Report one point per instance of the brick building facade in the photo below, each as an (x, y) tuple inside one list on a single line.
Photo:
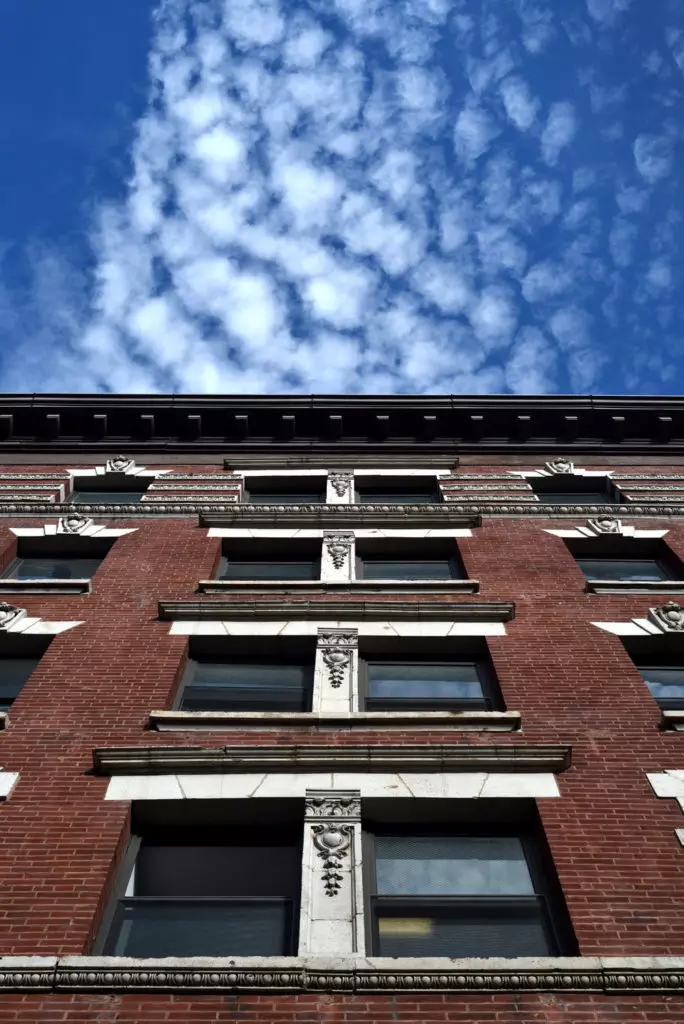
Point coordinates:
[(341, 710)]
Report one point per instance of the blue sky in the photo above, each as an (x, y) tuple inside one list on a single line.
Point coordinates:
[(360, 196)]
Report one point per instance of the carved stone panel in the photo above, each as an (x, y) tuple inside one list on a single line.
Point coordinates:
[(74, 524), (669, 617), (605, 524), (337, 647), (119, 464), (339, 547), (9, 614), (341, 483), (560, 465)]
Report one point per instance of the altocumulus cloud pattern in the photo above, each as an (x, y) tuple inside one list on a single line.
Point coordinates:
[(405, 196)]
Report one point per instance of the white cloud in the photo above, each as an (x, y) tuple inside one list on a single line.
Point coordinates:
[(531, 365), (521, 107), (653, 157), (559, 131), (474, 131)]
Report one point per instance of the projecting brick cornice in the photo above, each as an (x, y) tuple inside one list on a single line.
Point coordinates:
[(451, 757), (356, 607), (340, 430), (603, 975)]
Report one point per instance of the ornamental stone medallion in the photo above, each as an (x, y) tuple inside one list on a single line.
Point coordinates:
[(119, 464), (669, 617), (74, 524), (605, 524), (9, 614), (560, 465)]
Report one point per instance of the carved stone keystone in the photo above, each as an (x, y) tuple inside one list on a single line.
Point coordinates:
[(119, 464), (340, 483), (605, 524), (74, 524), (337, 647), (669, 617), (560, 465), (9, 614), (338, 546)]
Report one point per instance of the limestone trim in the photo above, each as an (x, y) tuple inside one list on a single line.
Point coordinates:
[(372, 587), (603, 526), (403, 757), (361, 608), (669, 785), (375, 784), (672, 720), (339, 516), (8, 781), (460, 721), (16, 620), (44, 586), (118, 465), (348, 974), (71, 526), (408, 532), (306, 625), (559, 467), (666, 618), (634, 587)]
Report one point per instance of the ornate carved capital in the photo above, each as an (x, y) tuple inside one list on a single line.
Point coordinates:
[(74, 524), (669, 617), (332, 843), (340, 483), (560, 465), (338, 546), (333, 804), (605, 524), (9, 614), (336, 649), (119, 464)]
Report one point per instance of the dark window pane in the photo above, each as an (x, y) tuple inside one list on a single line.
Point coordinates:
[(287, 498), (13, 674), (239, 569), (105, 497), (247, 687), (384, 569), (402, 496), (52, 568), (666, 685), (451, 866), (407, 682), (638, 570), (462, 928), (201, 928), (575, 498)]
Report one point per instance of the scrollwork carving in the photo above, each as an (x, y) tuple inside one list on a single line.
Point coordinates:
[(338, 546), (332, 843), (9, 614), (74, 524), (340, 483), (119, 464), (336, 650), (605, 524), (560, 465), (333, 805), (669, 617)]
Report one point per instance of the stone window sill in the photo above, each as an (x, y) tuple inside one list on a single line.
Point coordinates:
[(48, 586), (672, 720), (462, 721), (360, 586), (634, 587), (349, 974)]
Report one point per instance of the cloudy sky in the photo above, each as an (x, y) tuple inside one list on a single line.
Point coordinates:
[(360, 196)]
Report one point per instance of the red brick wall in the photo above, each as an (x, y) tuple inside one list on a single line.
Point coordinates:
[(612, 840)]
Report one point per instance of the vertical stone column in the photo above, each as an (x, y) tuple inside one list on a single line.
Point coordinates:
[(340, 487), (336, 671), (337, 557), (331, 915)]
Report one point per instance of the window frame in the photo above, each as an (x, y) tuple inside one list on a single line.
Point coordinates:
[(491, 695), (8, 572), (672, 703), (298, 496), (229, 658), (541, 486), (660, 562), (398, 486), (534, 857), (453, 561)]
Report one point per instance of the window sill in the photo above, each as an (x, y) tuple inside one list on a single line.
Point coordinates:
[(634, 587), (12, 586), (672, 721), (360, 586), (462, 721), (310, 974)]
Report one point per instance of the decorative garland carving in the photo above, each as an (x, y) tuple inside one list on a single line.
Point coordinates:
[(338, 546), (340, 483), (9, 614), (74, 523), (669, 617), (336, 649), (332, 843)]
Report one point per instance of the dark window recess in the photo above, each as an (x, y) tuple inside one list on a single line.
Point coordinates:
[(427, 685), (255, 560), (57, 558), (620, 558), (665, 684), (105, 497), (124, 491), (425, 493), (247, 685), (459, 896), (285, 491), (218, 893), (408, 560), (565, 490), (14, 672)]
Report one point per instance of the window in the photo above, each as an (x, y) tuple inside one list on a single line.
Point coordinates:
[(112, 489), (427, 684), (408, 560), (57, 558), (665, 684), (14, 672), (247, 685), (208, 891), (638, 570), (626, 559), (285, 560), (476, 893), (306, 490), (394, 491), (575, 490)]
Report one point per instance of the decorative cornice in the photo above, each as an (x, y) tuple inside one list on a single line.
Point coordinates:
[(337, 517), (352, 608), (46, 586), (634, 587), (369, 721), (372, 587), (445, 757), (614, 976)]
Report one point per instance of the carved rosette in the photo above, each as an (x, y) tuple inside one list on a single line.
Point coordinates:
[(9, 614), (337, 646), (119, 464), (605, 524), (669, 617), (338, 546), (74, 524), (340, 483), (560, 465)]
